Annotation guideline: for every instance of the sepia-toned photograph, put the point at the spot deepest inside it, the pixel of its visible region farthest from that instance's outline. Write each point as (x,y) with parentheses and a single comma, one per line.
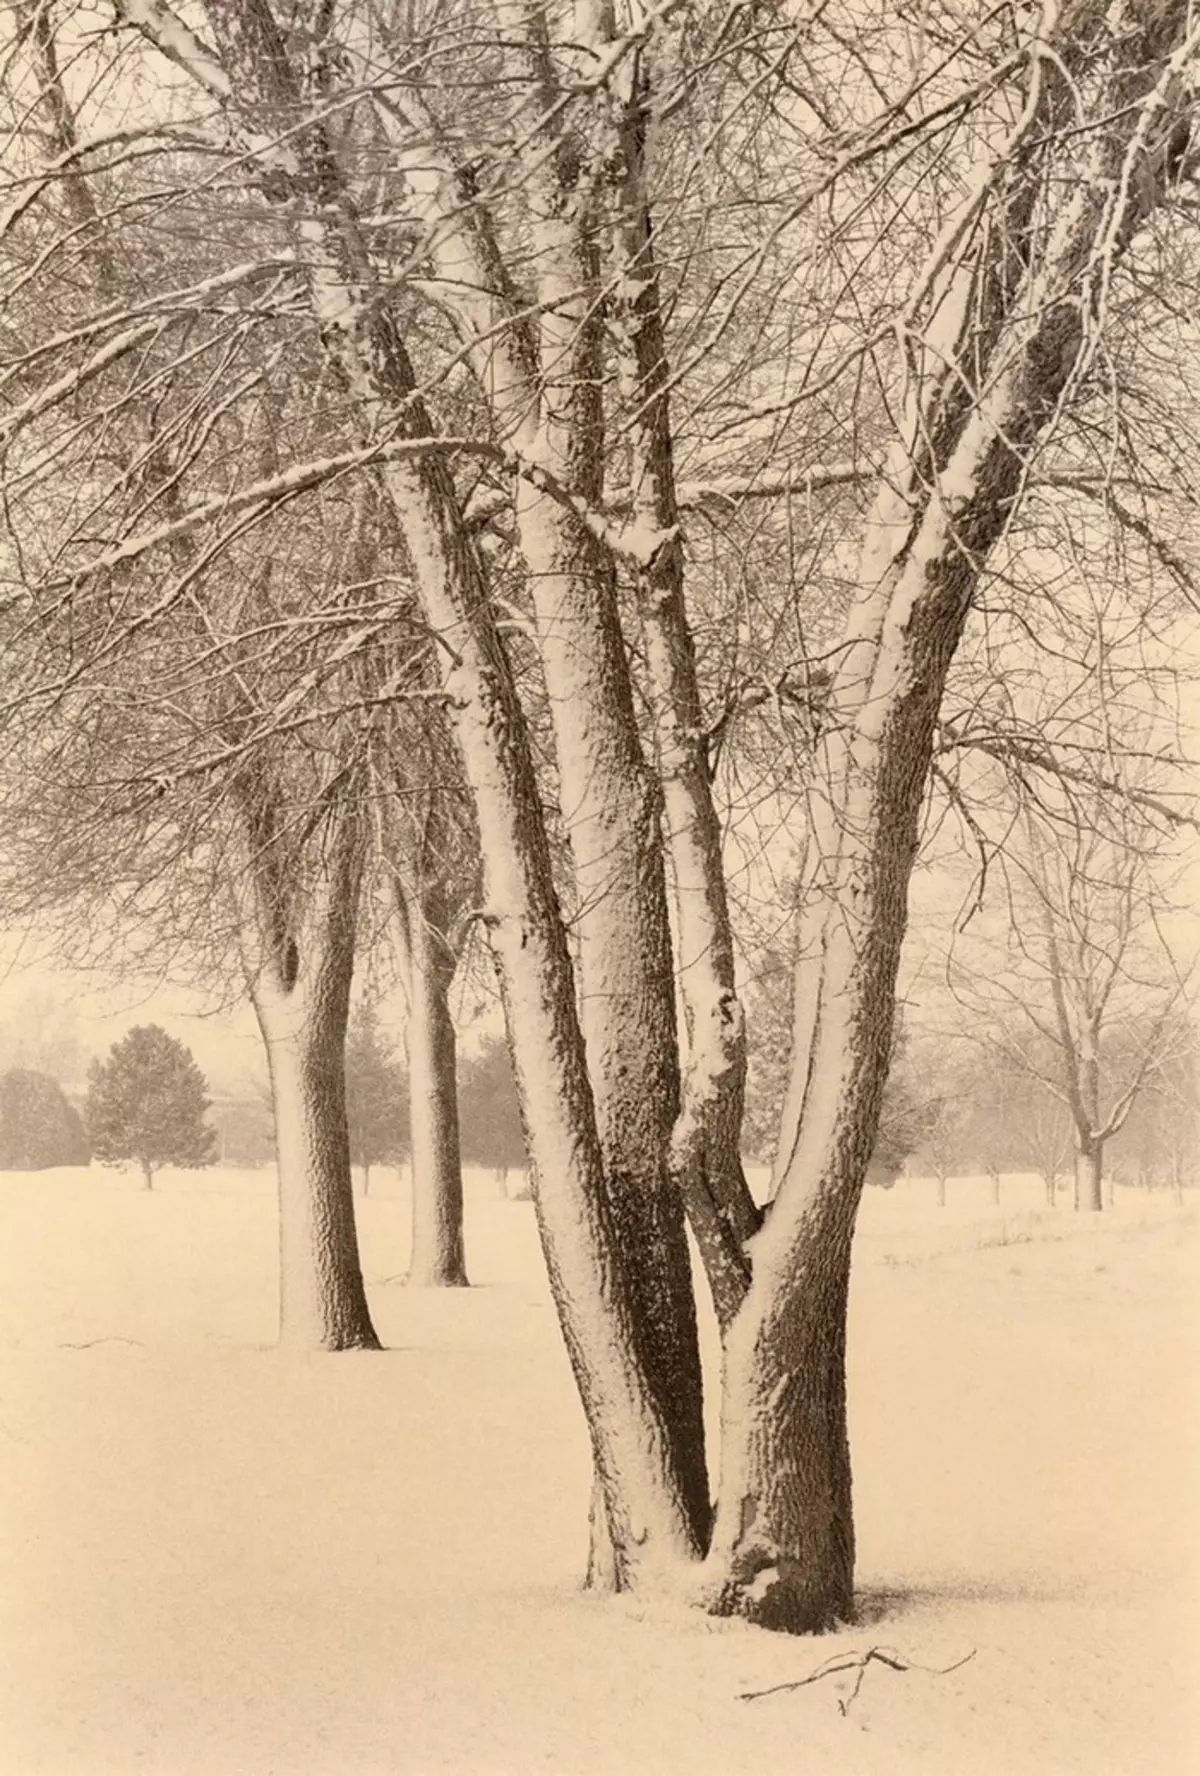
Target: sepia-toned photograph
(599,888)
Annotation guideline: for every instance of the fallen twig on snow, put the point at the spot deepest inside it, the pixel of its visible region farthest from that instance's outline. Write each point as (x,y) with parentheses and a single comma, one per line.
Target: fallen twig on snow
(855,1662)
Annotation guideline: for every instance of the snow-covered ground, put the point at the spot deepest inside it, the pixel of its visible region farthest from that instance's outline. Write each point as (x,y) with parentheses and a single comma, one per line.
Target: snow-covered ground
(220,1560)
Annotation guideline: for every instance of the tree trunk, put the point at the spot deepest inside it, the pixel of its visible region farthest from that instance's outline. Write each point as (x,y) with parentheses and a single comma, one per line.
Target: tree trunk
(323,1302)
(995,1182)
(941,1190)
(366,1172)
(299,984)
(705,1142)
(437,1259)
(147,1175)
(1089,1177)
(1051,1182)
(783,1543)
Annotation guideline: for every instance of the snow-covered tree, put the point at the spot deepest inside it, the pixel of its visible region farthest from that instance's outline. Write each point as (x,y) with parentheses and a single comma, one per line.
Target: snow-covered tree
(147,1101)
(534,295)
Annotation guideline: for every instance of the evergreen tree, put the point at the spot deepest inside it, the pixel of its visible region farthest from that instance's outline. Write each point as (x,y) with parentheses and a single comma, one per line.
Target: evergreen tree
(147,1102)
(376,1096)
(488,1112)
(38,1128)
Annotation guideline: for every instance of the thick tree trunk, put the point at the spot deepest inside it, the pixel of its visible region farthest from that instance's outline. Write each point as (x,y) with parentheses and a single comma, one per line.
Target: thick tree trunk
(323,1302)
(300,983)
(437,1259)
(147,1175)
(1089,1177)
(783,1544)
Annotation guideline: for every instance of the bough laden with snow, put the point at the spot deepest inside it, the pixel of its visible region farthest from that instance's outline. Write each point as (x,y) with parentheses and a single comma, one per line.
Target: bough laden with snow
(515,273)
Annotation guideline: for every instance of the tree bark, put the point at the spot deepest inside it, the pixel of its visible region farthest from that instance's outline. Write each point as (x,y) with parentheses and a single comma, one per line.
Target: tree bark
(299,984)
(544,382)
(706,1158)
(323,1302)
(437,1259)
(783,1543)
(1089,1177)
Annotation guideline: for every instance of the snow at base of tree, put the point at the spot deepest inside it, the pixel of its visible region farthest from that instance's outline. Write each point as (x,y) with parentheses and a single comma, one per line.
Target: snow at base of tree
(231,1561)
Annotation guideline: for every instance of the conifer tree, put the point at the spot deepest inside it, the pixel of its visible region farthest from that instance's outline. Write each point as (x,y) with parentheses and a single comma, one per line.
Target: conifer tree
(147,1102)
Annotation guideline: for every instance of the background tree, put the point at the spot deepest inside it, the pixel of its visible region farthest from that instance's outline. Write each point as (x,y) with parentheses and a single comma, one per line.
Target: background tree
(38,1127)
(376,1096)
(1086,1000)
(489,1110)
(148,1101)
(905,1111)
(1158,1144)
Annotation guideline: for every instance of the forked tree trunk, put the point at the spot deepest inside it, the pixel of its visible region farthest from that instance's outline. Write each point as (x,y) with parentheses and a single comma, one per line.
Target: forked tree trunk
(437,1260)
(544,381)
(1019,298)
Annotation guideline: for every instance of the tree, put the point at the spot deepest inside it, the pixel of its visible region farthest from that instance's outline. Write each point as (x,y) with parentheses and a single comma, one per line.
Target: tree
(1157,1145)
(489,1111)
(38,1128)
(376,1096)
(507,220)
(1085,1003)
(430,849)
(148,1102)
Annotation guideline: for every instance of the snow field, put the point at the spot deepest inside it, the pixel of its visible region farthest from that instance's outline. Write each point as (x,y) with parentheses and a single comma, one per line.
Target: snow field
(221,1561)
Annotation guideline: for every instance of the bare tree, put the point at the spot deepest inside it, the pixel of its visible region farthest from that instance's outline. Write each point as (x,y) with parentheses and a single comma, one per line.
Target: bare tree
(500,266)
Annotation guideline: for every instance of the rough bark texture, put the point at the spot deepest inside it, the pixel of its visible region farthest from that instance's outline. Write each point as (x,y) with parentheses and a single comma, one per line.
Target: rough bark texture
(300,985)
(543,379)
(705,1147)
(323,1303)
(783,1545)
